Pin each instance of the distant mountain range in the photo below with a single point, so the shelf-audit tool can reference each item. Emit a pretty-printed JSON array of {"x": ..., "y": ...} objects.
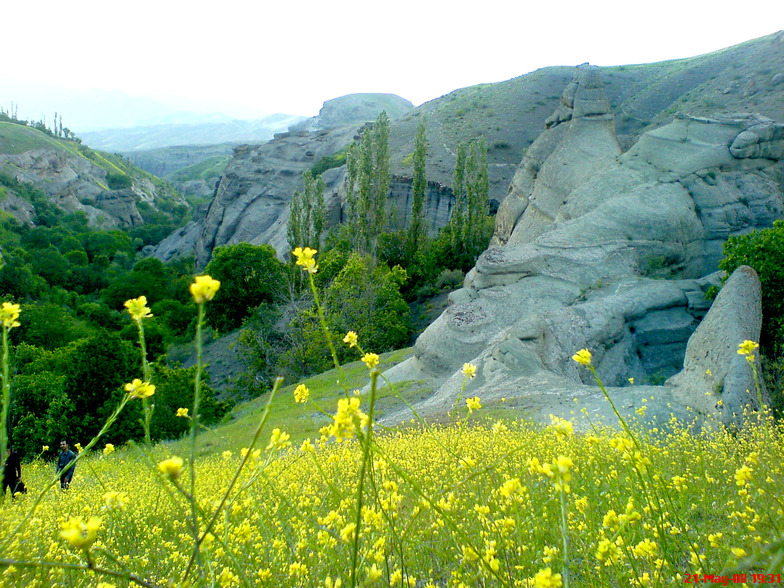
[
  {"x": 184, "y": 128},
  {"x": 116, "y": 122}
]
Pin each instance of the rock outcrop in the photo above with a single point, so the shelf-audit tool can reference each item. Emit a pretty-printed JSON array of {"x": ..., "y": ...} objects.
[
  {"x": 251, "y": 202},
  {"x": 75, "y": 183},
  {"x": 611, "y": 252}
]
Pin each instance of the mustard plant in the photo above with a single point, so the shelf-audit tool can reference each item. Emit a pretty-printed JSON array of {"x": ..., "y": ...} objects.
[{"x": 9, "y": 313}]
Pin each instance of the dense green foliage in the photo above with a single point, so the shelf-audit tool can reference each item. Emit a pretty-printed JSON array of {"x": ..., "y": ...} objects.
[
  {"x": 250, "y": 275},
  {"x": 118, "y": 181},
  {"x": 334, "y": 160},
  {"x": 763, "y": 250},
  {"x": 76, "y": 346}
]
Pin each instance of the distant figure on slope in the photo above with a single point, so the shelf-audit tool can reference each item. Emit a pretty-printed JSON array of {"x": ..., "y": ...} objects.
[
  {"x": 66, "y": 457},
  {"x": 12, "y": 473}
]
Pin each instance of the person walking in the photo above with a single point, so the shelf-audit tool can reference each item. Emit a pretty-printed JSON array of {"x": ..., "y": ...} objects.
[
  {"x": 66, "y": 472},
  {"x": 12, "y": 471}
]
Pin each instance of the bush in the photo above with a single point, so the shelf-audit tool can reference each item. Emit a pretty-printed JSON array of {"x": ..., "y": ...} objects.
[
  {"x": 118, "y": 181},
  {"x": 450, "y": 279},
  {"x": 249, "y": 275},
  {"x": 763, "y": 250}
]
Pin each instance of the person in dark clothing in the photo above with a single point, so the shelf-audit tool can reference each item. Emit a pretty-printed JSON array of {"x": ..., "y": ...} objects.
[
  {"x": 66, "y": 457},
  {"x": 12, "y": 472}
]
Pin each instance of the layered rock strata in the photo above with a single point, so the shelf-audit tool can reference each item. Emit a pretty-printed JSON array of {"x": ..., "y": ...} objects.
[{"x": 611, "y": 252}]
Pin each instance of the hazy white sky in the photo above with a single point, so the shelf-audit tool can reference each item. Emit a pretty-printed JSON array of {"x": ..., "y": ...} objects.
[{"x": 290, "y": 56}]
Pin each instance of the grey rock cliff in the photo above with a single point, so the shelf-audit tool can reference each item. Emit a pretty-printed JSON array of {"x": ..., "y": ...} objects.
[
  {"x": 251, "y": 202},
  {"x": 611, "y": 252}
]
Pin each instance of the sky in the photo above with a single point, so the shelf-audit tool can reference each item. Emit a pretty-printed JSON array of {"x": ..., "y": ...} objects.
[{"x": 247, "y": 58}]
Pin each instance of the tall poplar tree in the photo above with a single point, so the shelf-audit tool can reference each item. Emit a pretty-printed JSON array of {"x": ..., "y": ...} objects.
[
  {"x": 368, "y": 186},
  {"x": 471, "y": 187},
  {"x": 416, "y": 228},
  {"x": 307, "y": 213}
]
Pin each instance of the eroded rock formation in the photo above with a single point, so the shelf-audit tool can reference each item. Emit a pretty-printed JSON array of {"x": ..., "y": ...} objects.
[
  {"x": 613, "y": 252},
  {"x": 74, "y": 183}
]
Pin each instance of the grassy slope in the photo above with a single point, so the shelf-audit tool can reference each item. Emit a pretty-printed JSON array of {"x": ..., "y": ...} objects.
[
  {"x": 207, "y": 169},
  {"x": 16, "y": 139},
  {"x": 304, "y": 420}
]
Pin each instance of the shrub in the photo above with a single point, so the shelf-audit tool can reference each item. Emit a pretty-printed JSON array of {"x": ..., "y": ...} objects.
[{"x": 118, "y": 181}]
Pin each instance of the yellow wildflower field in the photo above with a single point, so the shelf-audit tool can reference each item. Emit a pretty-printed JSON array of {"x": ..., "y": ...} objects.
[{"x": 457, "y": 505}]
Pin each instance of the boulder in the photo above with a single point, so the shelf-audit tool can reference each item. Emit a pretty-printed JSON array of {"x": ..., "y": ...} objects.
[{"x": 713, "y": 370}]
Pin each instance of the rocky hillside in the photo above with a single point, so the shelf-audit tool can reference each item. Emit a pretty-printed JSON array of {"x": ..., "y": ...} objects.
[
  {"x": 193, "y": 169},
  {"x": 613, "y": 251},
  {"x": 251, "y": 203},
  {"x": 252, "y": 197},
  {"x": 108, "y": 189}
]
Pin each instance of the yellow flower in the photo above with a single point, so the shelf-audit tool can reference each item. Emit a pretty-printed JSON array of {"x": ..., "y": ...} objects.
[
  {"x": 114, "y": 500},
  {"x": 583, "y": 357},
  {"x": 78, "y": 447},
  {"x": 350, "y": 339},
  {"x": 139, "y": 389},
  {"x": 562, "y": 427},
  {"x": 342, "y": 426},
  {"x": 279, "y": 440},
  {"x": 546, "y": 579},
  {"x": 373, "y": 573},
  {"x": 714, "y": 539},
  {"x": 204, "y": 288},
  {"x": 549, "y": 553},
  {"x": 307, "y": 447},
  {"x": 473, "y": 403},
  {"x": 469, "y": 370},
  {"x": 227, "y": 578},
  {"x": 45, "y": 448},
  {"x": 738, "y": 552},
  {"x": 182, "y": 412},
  {"x": 80, "y": 534},
  {"x": 743, "y": 475},
  {"x": 347, "y": 534},
  {"x": 747, "y": 347},
  {"x": 301, "y": 393},
  {"x": 305, "y": 259},
  {"x": 607, "y": 551},
  {"x": 370, "y": 360},
  {"x": 645, "y": 548},
  {"x": 108, "y": 449},
  {"x": 171, "y": 467},
  {"x": 329, "y": 583},
  {"x": 8, "y": 315},
  {"x": 137, "y": 308}
]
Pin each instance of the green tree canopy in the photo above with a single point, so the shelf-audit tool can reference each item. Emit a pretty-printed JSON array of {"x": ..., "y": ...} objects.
[{"x": 249, "y": 275}]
